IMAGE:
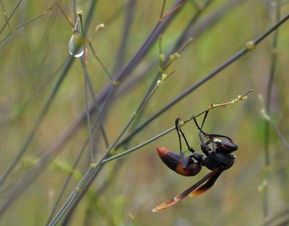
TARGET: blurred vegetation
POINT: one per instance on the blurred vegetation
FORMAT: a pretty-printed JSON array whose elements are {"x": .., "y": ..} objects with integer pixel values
[{"x": 33, "y": 55}]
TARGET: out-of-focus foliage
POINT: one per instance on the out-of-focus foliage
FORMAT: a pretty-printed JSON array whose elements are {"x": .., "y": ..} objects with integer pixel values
[{"x": 32, "y": 56}]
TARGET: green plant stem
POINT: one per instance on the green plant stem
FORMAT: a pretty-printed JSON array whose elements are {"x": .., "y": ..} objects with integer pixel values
[
  {"x": 147, "y": 96},
  {"x": 267, "y": 159},
  {"x": 159, "y": 135},
  {"x": 74, "y": 8},
  {"x": 249, "y": 46},
  {"x": 280, "y": 135},
  {"x": 45, "y": 109},
  {"x": 10, "y": 16},
  {"x": 38, "y": 121},
  {"x": 5, "y": 14},
  {"x": 95, "y": 169},
  {"x": 105, "y": 93},
  {"x": 102, "y": 129},
  {"x": 88, "y": 119},
  {"x": 4, "y": 39},
  {"x": 65, "y": 185},
  {"x": 88, "y": 178},
  {"x": 126, "y": 32},
  {"x": 281, "y": 218}
]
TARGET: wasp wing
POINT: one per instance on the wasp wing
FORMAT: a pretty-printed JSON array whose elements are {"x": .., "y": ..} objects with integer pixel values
[
  {"x": 185, "y": 193},
  {"x": 205, "y": 187}
]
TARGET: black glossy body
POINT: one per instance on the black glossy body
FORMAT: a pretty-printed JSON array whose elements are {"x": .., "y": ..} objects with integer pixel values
[{"x": 217, "y": 154}]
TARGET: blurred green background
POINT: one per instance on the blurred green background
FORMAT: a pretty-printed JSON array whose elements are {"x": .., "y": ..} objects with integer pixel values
[{"x": 32, "y": 56}]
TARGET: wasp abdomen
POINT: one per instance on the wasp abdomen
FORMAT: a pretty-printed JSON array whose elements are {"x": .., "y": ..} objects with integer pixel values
[{"x": 185, "y": 166}]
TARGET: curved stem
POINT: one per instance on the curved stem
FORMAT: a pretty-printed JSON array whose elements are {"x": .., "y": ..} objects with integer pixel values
[{"x": 267, "y": 159}]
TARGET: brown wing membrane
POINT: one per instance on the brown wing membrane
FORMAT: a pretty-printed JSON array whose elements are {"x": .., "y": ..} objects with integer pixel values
[
  {"x": 205, "y": 187},
  {"x": 184, "y": 194}
]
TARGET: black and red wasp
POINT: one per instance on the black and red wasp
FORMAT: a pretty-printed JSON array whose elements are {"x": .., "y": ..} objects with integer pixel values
[{"x": 218, "y": 155}]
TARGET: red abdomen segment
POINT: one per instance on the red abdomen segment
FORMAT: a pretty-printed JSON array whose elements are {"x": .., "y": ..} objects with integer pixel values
[{"x": 174, "y": 162}]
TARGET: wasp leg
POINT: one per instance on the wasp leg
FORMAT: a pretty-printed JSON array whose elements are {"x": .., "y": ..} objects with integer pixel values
[
  {"x": 205, "y": 145},
  {"x": 180, "y": 132},
  {"x": 180, "y": 141},
  {"x": 203, "y": 122}
]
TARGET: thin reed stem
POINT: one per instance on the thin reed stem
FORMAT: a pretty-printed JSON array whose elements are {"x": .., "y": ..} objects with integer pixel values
[
  {"x": 126, "y": 32},
  {"x": 182, "y": 123},
  {"x": 22, "y": 184},
  {"x": 47, "y": 104},
  {"x": 267, "y": 160},
  {"x": 88, "y": 119},
  {"x": 38, "y": 121},
  {"x": 83, "y": 185},
  {"x": 66, "y": 183},
  {"x": 10, "y": 16},
  {"x": 5, "y": 14},
  {"x": 96, "y": 167},
  {"x": 249, "y": 46},
  {"x": 29, "y": 21}
]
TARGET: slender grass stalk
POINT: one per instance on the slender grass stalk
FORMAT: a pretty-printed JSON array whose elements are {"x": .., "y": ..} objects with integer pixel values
[
  {"x": 99, "y": 61},
  {"x": 75, "y": 196},
  {"x": 102, "y": 96},
  {"x": 120, "y": 56},
  {"x": 277, "y": 131},
  {"x": 267, "y": 160},
  {"x": 92, "y": 93},
  {"x": 126, "y": 32},
  {"x": 181, "y": 39},
  {"x": 249, "y": 46},
  {"x": 281, "y": 218},
  {"x": 74, "y": 9},
  {"x": 159, "y": 135},
  {"x": 88, "y": 40},
  {"x": 5, "y": 14},
  {"x": 154, "y": 85},
  {"x": 38, "y": 121},
  {"x": 213, "y": 18},
  {"x": 90, "y": 130},
  {"x": 26, "y": 180},
  {"x": 91, "y": 210},
  {"x": 68, "y": 20},
  {"x": 66, "y": 211},
  {"x": 29, "y": 21},
  {"x": 84, "y": 184},
  {"x": 10, "y": 16},
  {"x": 111, "y": 89},
  {"x": 29, "y": 177},
  {"x": 47, "y": 104},
  {"x": 65, "y": 185},
  {"x": 134, "y": 118},
  {"x": 106, "y": 142},
  {"x": 52, "y": 151}
]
